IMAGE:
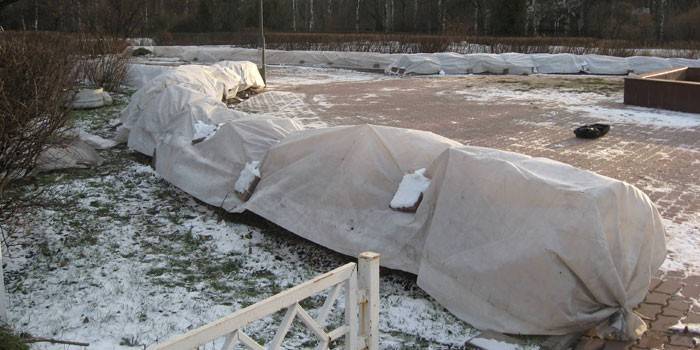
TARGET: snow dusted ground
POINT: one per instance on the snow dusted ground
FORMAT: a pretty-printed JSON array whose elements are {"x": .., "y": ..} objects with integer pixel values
[
  {"x": 121, "y": 259},
  {"x": 600, "y": 106},
  {"x": 295, "y": 76}
]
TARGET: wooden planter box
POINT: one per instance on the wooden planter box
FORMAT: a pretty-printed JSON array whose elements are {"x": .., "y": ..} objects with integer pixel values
[{"x": 677, "y": 90}]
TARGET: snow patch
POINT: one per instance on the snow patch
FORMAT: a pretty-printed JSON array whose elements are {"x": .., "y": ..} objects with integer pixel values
[
  {"x": 490, "y": 344},
  {"x": 203, "y": 131},
  {"x": 410, "y": 190},
  {"x": 681, "y": 327},
  {"x": 587, "y": 104},
  {"x": 247, "y": 177},
  {"x": 683, "y": 245},
  {"x": 96, "y": 141}
]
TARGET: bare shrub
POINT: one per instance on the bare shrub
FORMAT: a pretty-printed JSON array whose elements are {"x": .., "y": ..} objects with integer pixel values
[
  {"x": 104, "y": 61},
  {"x": 37, "y": 71}
]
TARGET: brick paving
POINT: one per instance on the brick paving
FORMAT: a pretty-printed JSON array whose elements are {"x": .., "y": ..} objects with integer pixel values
[{"x": 662, "y": 161}]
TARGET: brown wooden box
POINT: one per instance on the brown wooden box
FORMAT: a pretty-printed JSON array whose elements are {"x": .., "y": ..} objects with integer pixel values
[{"x": 677, "y": 90}]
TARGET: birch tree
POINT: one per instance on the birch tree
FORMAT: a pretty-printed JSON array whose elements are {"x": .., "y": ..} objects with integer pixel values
[
  {"x": 357, "y": 16},
  {"x": 294, "y": 15},
  {"x": 311, "y": 15},
  {"x": 3, "y": 294}
]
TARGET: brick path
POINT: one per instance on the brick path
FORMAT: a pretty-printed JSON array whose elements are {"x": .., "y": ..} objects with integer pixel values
[{"x": 664, "y": 162}]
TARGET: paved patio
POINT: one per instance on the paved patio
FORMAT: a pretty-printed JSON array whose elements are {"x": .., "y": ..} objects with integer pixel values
[{"x": 657, "y": 152}]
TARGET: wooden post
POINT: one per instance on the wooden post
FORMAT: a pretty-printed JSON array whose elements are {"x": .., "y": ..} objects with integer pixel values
[
  {"x": 351, "y": 312},
  {"x": 368, "y": 283},
  {"x": 262, "y": 41}
]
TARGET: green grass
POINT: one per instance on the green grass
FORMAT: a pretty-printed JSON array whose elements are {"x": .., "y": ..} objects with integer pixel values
[{"x": 10, "y": 341}]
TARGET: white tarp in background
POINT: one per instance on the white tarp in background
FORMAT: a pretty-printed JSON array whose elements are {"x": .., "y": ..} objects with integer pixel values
[
  {"x": 606, "y": 65},
  {"x": 451, "y": 63},
  {"x": 506, "y": 242},
  {"x": 519, "y": 64},
  {"x": 644, "y": 64},
  {"x": 564, "y": 63},
  {"x": 139, "y": 75},
  {"x": 422, "y": 65},
  {"x": 333, "y": 59}
]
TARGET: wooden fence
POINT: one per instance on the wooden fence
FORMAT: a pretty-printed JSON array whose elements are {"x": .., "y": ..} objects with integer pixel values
[{"x": 360, "y": 328}]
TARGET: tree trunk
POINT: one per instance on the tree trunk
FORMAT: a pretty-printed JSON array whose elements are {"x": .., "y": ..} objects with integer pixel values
[
  {"x": 660, "y": 19},
  {"x": 391, "y": 16},
  {"x": 386, "y": 16},
  {"x": 441, "y": 22},
  {"x": 36, "y": 15},
  {"x": 329, "y": 16},
  {"x": 357, "y": 17},
  {"x": 294, "y": 15},
  {"x": 477, "y": 16},
  {"x": 415, "y": 15},
  {"x": 3, "y": 294},
  {"x": 311, "y": 15}
]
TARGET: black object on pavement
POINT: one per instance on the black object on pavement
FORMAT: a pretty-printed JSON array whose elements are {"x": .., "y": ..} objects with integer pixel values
[{"x": 592, "y": 131}]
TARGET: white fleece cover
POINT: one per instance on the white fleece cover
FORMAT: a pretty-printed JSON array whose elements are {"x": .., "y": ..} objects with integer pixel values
[
  {"x": 532, "y": 246},
  {"x": 173, "y": 111},
  {"x": 519, "y": 64},
  {"x": 208, "y": 170},
  {"x": 423, "y": 63},
  {"x": 331, "y": 59},
  {"x": 506, "y": 242},
  {"x": 333, "y": 186},
  {"x": 179, "y": 96},
  {"x": 217, "y": 81}
]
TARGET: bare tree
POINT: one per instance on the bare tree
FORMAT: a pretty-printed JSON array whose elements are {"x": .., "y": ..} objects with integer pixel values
[{"x": 659, "y": 9}]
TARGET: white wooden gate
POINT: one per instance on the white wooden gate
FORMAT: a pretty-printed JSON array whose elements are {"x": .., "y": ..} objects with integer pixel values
[{"x": 360, "y": 328}]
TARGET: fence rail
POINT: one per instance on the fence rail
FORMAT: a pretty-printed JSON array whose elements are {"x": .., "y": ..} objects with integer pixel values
[{"x": 359, "y": 330}]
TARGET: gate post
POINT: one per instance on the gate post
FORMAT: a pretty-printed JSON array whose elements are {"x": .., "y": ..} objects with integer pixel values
[{"x": 368, "y": 283}]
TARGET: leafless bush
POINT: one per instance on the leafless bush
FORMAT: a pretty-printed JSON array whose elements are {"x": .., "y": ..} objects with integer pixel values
[
  {"x": 37, "y": 71},
  {"x": 104, "y": 61}
]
